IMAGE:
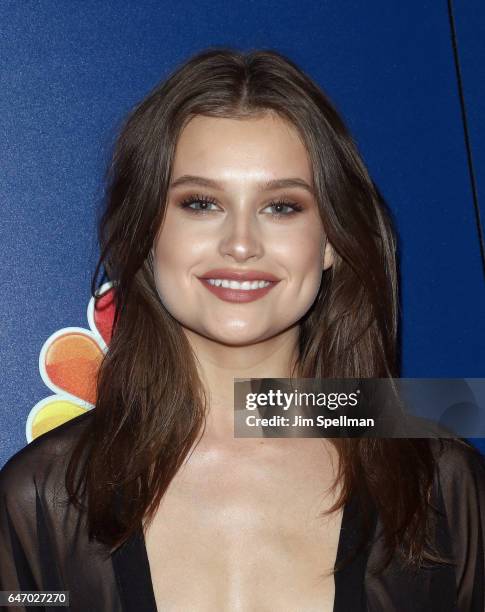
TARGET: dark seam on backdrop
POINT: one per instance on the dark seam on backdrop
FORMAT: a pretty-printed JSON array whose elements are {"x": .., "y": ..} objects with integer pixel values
[{"x": 466, "y": 133}]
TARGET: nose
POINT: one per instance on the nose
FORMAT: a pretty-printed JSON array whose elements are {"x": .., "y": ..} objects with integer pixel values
[{"x": 241, "y": 238}]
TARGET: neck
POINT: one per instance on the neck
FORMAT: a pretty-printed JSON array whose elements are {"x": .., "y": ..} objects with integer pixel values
[{"x": 220, "y": 364}]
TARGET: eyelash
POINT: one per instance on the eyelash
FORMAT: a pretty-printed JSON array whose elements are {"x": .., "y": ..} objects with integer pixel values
[{"x": 185, "y": 204}]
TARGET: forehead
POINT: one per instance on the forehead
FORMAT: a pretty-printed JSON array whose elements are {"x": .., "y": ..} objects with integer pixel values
[{"x": 265, "y": 145}]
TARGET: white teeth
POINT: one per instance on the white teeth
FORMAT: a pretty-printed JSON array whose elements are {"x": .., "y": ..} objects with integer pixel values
[{"x": 232, "y": 284}]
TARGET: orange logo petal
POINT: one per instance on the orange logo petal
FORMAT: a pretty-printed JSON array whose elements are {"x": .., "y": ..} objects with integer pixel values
[{"x": 71, "y": 363}]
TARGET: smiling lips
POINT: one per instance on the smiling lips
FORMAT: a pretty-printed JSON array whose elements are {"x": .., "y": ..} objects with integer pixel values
[{"x": 238, "y": 285}]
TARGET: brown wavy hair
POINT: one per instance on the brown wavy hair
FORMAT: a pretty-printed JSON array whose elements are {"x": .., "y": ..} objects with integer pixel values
[{"x": 151, "y": 405}]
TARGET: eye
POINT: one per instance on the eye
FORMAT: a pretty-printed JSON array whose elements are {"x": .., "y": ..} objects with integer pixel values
[
  {"x": 196, "y": 199},
  {"x": 280, "y": 205},
  {"x": 282, "y": 208}
]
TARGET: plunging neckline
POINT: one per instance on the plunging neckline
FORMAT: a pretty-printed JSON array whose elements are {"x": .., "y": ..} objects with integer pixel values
[{"x": 132, "y": 569}]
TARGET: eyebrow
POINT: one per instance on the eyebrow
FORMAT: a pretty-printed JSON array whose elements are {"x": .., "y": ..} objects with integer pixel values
[{"x": 190, "y": 179}]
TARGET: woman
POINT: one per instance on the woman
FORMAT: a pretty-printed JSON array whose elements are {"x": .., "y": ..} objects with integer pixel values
[{"x": 238, "y": 167}]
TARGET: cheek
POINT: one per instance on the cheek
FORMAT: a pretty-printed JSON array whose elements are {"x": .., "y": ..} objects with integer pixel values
[
  {"x": 305, "y": 266},
  {"x": 302, "y": 253},
  {"x": 178, "y": 252},
  {"x": 169, "y": 261},
  {"x": 175, "y": 247}
]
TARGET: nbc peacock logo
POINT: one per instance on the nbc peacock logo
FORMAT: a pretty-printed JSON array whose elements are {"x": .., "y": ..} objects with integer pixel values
[{"x": 68, "y": 363}]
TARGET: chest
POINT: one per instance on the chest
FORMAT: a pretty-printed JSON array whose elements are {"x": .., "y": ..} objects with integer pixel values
[{"x": 246, "y": 532}]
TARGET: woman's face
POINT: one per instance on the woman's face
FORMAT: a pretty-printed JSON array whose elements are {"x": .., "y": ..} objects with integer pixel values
[{"x": 221, "y": 214}]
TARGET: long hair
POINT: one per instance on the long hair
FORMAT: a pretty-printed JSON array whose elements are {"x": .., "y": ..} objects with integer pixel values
[{"x": 151, "y": 405}]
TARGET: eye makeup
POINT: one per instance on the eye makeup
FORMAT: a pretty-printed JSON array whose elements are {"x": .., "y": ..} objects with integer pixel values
[{"x": 207, "y": 201}]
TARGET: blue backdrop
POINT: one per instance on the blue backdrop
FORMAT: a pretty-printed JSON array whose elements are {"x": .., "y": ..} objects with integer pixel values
[{"x": 71, "y": 71}]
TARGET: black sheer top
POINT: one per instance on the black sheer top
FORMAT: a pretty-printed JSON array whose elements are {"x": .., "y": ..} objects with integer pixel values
[{"x": 44, "y": 544}]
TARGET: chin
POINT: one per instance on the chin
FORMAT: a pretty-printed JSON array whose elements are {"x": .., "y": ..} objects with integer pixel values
[
  {"x": 246, "y": 338},
  {"x": 235, "y": 339},
  {"x": 232, "y": 336}
]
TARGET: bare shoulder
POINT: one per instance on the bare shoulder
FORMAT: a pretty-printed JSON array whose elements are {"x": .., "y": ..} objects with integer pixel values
[{"x": 43, "y": 460}]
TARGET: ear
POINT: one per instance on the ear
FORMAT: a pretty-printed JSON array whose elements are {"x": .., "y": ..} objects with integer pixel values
[{"x": 328, "y": 258}]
